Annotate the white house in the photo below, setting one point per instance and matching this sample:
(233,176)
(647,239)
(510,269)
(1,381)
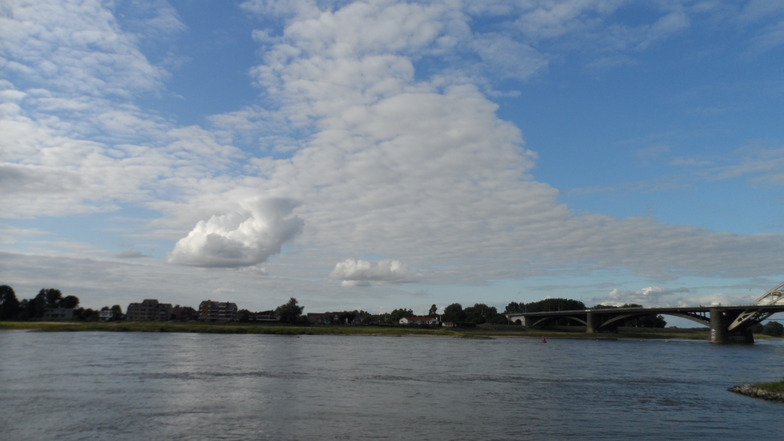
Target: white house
(419,321)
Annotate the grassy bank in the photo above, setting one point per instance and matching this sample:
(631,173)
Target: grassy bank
(483,331)
(771,387)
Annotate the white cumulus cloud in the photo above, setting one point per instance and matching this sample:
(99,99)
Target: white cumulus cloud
(242,238)
(356,272)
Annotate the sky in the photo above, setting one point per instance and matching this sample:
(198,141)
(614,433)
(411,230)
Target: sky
(388,154)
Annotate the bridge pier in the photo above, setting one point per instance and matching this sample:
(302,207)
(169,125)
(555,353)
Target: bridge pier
(590,328)
(720,320)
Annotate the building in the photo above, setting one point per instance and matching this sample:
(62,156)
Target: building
(58,314)
(412,321)
(321,318)
(105,315)
(264,316)
(210,311)
(149,310)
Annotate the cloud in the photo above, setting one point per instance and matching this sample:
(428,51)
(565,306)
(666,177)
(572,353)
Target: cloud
(131,254)
(663,28)
(239,239)
(31,179)
(759,164)
(356,272)
(653,152)
(508,58)
(76,49)
(649,296)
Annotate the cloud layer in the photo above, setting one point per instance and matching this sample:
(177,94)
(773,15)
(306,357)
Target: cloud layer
(377,131)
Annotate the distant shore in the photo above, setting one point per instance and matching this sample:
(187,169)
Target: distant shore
(482,331)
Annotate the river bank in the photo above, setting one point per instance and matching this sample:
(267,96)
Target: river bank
(482,331)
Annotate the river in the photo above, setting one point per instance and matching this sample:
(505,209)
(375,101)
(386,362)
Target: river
(169,386)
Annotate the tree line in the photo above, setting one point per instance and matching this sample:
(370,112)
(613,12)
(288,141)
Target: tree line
(557,304)
(291,312)
(35,308)
(477,314)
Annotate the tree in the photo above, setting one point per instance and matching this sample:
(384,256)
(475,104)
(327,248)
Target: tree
(774,329)
(481,313)
(556,304)
(547,305)
(433,311)
(117,312)
(399,313)
(36,307)
(514,307)
(453,313)
(9,304)
(289,312)
(378,319)
(24,308)
(87,315)
(52,296)
(243,315)
(69,302)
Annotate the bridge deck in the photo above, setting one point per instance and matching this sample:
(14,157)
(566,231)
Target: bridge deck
(653,310)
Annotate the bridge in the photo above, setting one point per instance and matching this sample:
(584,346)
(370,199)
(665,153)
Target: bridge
(728,324)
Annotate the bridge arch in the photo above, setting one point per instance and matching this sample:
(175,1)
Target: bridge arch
(701,319)
(752,316)
(542,322)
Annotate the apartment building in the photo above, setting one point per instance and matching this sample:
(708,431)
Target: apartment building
(149,310)
(210,311)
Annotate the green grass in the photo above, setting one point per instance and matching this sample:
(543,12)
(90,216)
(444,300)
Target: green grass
(482,331)
(771,387)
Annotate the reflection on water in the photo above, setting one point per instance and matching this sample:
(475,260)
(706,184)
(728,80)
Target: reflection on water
(131,386)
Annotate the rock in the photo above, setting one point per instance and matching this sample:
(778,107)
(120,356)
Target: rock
(752,391)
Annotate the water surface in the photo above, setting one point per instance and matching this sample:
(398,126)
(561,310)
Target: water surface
(168,386)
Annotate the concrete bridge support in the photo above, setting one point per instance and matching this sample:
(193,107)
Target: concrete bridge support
(720,320)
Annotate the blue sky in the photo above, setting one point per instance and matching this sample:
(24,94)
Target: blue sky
(386,154)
